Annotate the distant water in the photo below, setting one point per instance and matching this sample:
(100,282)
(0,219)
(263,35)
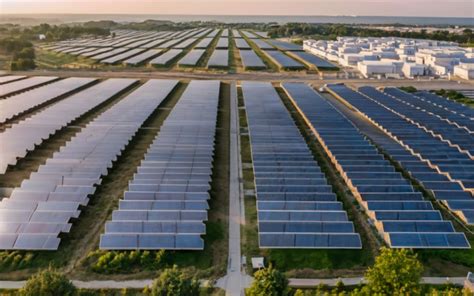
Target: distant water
(68,18)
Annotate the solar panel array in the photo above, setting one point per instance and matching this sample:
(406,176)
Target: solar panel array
(123,56)
(242,43)
(250,60)
(219,59)
(186,43)
(427,119)
(314,60)
(262,44)
(250,35)
(296,207)
(166,58)
(445,170)
(236,34)
(10,78)
(204,43)
(42,207)
(400,213)
(166,204)
(23,136)
(109,54)
(457,115)
(282,45)
(18,104)
(223,43)
(283,61)
(452,106)
(141,58)
(192,58)
(24,84)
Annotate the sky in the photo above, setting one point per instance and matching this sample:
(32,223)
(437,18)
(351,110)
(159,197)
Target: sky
(447,8)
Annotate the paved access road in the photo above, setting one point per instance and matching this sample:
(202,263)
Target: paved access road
(253,76)
(295,283)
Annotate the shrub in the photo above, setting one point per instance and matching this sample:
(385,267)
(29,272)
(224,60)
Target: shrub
(173,282)
(395,272)
(269,281)
(48,283)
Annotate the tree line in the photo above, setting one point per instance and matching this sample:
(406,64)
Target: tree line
(17,41)
(331,31)
(395,272)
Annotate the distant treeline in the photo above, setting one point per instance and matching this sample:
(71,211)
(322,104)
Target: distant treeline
(52,33)
(331,31)
(22,53)
(17,41)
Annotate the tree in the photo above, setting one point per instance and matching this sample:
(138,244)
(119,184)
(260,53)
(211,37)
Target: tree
(173,282)
(269,281)
(395,272)
(48,283)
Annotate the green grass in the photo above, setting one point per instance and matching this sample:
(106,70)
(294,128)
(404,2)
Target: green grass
(49,59)
(122,292)
(462,257)
(316,259)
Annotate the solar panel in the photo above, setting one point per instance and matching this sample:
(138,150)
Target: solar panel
(192,58)
(388,198)
(283,61)
(95,146)
(15,105)
(13,87)
(219,59)
(290,201)
(166,58)
(251,60)
(166,202)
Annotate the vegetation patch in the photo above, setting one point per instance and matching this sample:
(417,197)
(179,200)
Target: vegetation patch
(126,261)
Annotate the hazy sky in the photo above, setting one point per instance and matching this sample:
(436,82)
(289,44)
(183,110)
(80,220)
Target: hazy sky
(460,8)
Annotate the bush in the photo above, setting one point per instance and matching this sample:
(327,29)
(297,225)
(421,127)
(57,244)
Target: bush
(48,283)
(173,282)
(22,64)
(15,259)
(395,272)
(269,281)
(409,89)
(125,262)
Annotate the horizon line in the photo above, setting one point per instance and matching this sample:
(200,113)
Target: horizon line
(223,15)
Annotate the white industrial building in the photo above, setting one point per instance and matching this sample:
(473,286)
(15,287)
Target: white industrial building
(396,57)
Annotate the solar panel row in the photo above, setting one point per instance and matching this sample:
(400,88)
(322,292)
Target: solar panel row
(283,61)
(23,136)
(24,85)
(123,56)
(283,45)
(452,106)
(296,207)
(250,60)
(219,59)
(43,205)
(242,43)
(141,58)
(383,192)
(314,60)
(10,78)
(21,103)
(204,43)
(455,191)
(439,167)
(192,58)
(167,58)
(222,43)
(166,203)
